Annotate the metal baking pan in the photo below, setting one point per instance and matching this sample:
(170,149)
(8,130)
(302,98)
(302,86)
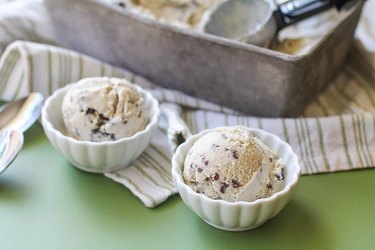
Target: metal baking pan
(250,79)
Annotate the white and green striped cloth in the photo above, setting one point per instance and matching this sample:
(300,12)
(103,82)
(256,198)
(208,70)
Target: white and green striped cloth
(336,133)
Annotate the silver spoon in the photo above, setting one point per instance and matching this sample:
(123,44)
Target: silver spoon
(258,21)
(15,118)
(21,114)
(11,142)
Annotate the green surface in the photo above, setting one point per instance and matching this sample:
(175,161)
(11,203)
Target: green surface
(45,203)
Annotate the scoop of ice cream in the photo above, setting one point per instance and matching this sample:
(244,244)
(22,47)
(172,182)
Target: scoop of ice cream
(183,13)
(230,163)
(103,109)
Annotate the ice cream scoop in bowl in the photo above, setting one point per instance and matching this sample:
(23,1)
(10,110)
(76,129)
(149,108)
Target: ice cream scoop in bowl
(227,201)
(95,154)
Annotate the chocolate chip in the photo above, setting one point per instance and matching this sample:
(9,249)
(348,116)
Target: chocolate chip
(200,170)
(103,118)
(110,135)
(140,113)
(215,146)
(90,111)
(223,187)
(235,154)
(224,136)
(215,177)
(269,186)
(236,184)
(121,4)
(205,161)
(226,149)
(207,179)
(125,121)
(95,130)
(271,159)
(103,134)
(279,177)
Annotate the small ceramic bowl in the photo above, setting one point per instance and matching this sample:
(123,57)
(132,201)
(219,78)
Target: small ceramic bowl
(240,215)
(97,157)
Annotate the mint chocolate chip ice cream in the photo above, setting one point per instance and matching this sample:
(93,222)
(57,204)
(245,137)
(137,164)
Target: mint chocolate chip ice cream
(103,109)
(231,164)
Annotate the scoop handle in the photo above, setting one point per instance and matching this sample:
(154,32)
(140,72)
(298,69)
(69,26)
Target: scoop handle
(294,11)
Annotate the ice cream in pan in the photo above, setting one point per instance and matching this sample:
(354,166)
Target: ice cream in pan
(193,14)
(231,164)
(181,13)
(103,109)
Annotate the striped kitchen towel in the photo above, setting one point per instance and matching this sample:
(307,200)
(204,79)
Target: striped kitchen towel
(336,133)
(326,142)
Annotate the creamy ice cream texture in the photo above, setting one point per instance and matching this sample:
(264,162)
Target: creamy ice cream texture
(183,13)
(103,109)
(231,164)
(295,40)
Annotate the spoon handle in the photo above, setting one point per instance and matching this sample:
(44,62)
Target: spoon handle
(294,11)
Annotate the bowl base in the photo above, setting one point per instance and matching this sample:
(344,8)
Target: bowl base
(98,170)
(234,229)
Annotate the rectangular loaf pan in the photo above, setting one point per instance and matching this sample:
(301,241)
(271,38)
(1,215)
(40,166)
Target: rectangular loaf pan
(247,78)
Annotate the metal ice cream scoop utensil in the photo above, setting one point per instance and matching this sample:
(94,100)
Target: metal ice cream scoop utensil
(258,21)
(15,118)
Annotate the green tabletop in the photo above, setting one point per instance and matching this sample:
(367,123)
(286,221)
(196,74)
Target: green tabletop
(45,203)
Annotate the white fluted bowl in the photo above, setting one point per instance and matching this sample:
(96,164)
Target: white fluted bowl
(97,157)
(240,215)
